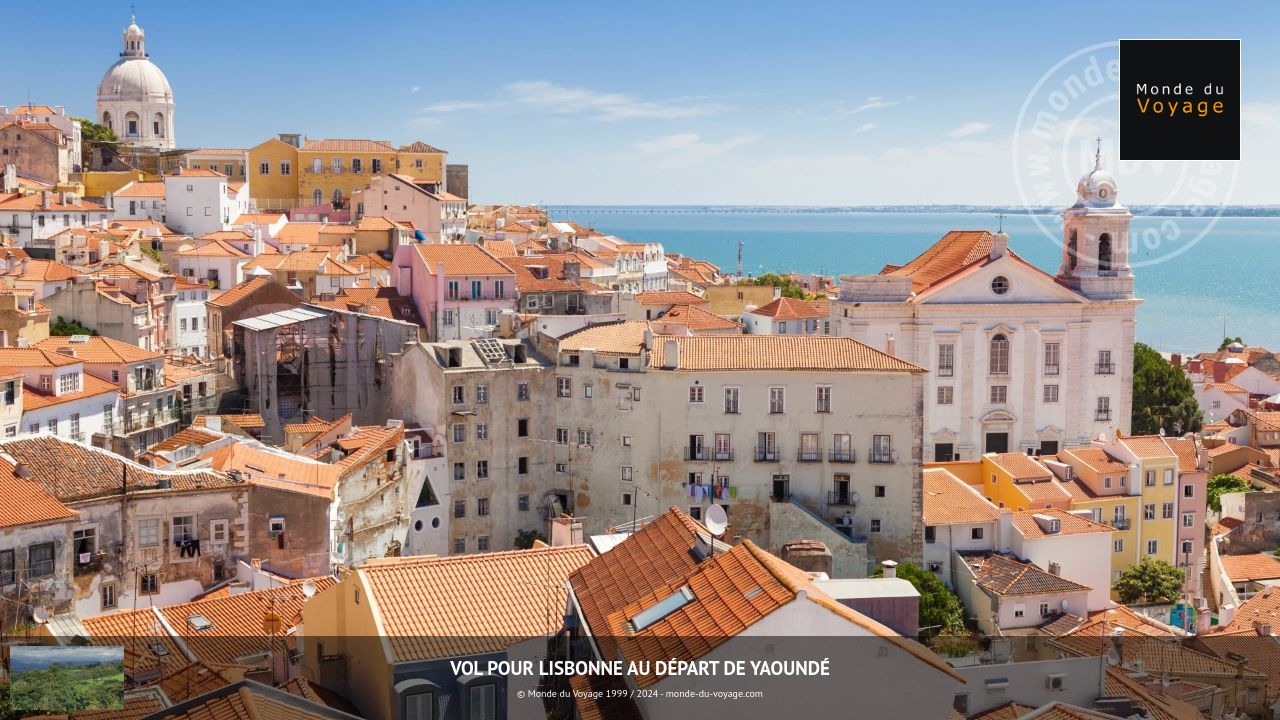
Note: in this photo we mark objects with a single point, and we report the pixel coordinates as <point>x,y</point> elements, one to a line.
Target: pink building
<point>459,290</point>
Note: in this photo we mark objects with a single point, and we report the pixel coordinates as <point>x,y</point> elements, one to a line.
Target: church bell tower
<point>1095,239</point>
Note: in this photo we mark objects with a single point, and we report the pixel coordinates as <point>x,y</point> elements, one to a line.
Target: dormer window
<point>68,383</point>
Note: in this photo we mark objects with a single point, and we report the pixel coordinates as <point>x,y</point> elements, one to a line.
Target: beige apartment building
<point>773,428</point>
<point>487,403</point>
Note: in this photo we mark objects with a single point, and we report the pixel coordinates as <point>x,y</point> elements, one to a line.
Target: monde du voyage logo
<point>1180,99</point>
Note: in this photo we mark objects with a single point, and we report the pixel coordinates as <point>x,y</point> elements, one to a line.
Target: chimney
<point>10,178</point>
<point>999,245</point>
<point>890,345</point>
<point>890,568</point>
<point>811,556</point>
<point>104,248</point>
<point>1219,372</point>
<point>45,198</point>
<point>671,354</point>
<point>1055,569</point>
<point>22,470</point>
<point>1263,629</point>
<point>1175,359</point>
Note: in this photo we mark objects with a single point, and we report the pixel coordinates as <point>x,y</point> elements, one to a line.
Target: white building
<point>140,200</point>
<point>134,97</point>
<point>187,321</point>
<point>42,215</point>
<point>198,202</point>
<point>1066,544</point>
<point>59,397</point>
<point>1018,359</point>
<point>789,316</point>
<point>956,518</point>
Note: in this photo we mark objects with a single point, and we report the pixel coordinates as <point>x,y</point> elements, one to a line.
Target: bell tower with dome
<point>134,97</point>
<point>1095,239</point>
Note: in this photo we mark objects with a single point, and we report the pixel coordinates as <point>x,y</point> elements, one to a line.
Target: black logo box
<point>1205,73</point>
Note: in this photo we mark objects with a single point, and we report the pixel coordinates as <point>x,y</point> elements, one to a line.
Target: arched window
<point>106,120</point>
<point>999,360</point>
<point>1071,251</point>
<point>1104,253</point>
<point>157,125</point>
<point>337,198</point>
<point>317,197</point>
<point>131,125</point>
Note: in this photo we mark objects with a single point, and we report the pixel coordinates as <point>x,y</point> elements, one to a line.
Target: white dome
<point>135,79</point>
<point>1098,187</point>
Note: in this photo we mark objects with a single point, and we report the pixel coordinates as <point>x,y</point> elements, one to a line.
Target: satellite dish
<point>309,588</point>
<point>40,615</point>
<point>717,520</point>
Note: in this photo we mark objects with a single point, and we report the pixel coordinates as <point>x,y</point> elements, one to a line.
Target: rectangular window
<point>482,471</point>
<point>562,436</point>
<point>376,165</point>
<point>482,431</point>
<point>875,525</point>
<point>777,400</point>
<point>476,289</point>
<point>1188,520</point>
<point>1104,409</point>
<point>264,168</point>
<point>584,437</point>
<point>1168,476</point>
<point>999,394</point>
<point>564,387</point>
<point>8,573</point>
<point>459,508</point>
<point>1150,478</point>
<point>1153,547</point>
<point>809,451</point>
<point>1166,511</point>
<point>459,546</point>
<point>75,424</point>
<point>522,427</point>
<point>881,450</point>
<point>53,426</point>
<point>459,471</point>
<point>522,391</point>
<point>459,432</point>
<point>446,318</point>
<point>626,473</point>
<point>824,399</point>
<point>723,447</point>
<point>1117,545</point>
<point>482,506</point>
<point>108,595</point>
<point>1052,355</point>
<point>1186,549</point>
<point>1188,491</point>
<point>731,400</point>
<point>482,543</point>
<point>219,532</point>
<point>482,393</point>
<point>148,532</point>
<point>1105,366</point>
<point>945,394</point>
<point>946,360</point>
<point>40,560</point>
<point>184,528</point>
<point>1051,393</point>
<point>522,466</point>
<point>149,584</point>
<point>285,168</point>
<point>1149,511</point>
<point>522,503</point>
<point>695,393</point>
<point>357,165</point>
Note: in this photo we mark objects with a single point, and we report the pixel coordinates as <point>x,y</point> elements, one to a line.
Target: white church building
<point>1019,360</point>
<point>134,97</point>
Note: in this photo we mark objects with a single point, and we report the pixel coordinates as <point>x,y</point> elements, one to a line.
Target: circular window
<point>417,526</point>
<point>435,522</point>
<point>1000,285</point>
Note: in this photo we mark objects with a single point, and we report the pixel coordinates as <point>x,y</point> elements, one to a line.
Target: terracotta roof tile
<point>1069,524</point>
<point>776,352</point>
<point>785,308</point>
<point>381,302</point>
<point>420,147</point>
<point>433,607</point>
<point>142,188</point>
<point>948,500</point>
<point>187,437</point>
<point>1097,459</point>
<point>274,468</point>
<point>956,250</point>
<point>464,259</point>
<point>214,248</point>
<point>44,271</point>
<point>614,338</point>
<point>98,349</point>
<point>235,294</point>
<point>27,502</point>
<point>1020,466</point>
<point>1008,577</point>
<point>1148,447</point>
<point>697,318</point>
<point>670,297</point>
<point>1007,711</point>
<point>1254,566</point>
<point>346,145</point>
<point>90,386</point>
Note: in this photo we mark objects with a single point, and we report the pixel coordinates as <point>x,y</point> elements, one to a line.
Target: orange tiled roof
<point>44,271</point>
<point>697,318</point>
<point>1260,653</point>
<point>420,147</point>
<point>1148,447</point>
<point>35,201</point>
<point>670,297</point>
<point>464,259</point>
<point>341,145</point>
<point>1020,466</point>
<point>27,502</point>
<point>72,472</point>
<point>142,188</point>
<point>948,500</point>
<point>214,248</point>
<point>1097,459</point>
<point>1226,387</point>
<point>436,607</point>
<point>235,294</point>
<point>196,172</point>
<point>98,349</point>
<point>955,251</point>
<point>785,308</point>
<point>1253,566</point>
<point>34,398</point>
<point>1008,577</point>
<point>267,218</point>
<point>244,421</point>
<point>776,352</point>
<point>276,468</point>
<point>614,338</point>
<point>1069,524</point>
<point>1187,450</point>
<point>190,436</point>
<point>33,357</point>
<point>1008,711</point>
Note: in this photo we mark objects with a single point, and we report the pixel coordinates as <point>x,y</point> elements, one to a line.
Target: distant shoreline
<point>1244,211</point>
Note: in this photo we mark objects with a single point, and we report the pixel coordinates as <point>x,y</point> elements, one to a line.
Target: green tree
<point>1151,580</point>
<point>526,538</point>
<point>65,328</point>
<point>1162,396</point>
<point>92,136</point>
<point>1227,341</point>
<point>789,287</point>
<point>1221,484</point>
<point>940,610</point>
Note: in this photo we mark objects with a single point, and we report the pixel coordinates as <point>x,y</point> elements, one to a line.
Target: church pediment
<point>1005,280</point>
<point>996,416</point>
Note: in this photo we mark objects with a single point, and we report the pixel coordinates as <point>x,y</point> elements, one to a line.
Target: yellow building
<point>290,171</point>
<point>1151,489</point>
<point>273,174</point>
<point>228,161</point>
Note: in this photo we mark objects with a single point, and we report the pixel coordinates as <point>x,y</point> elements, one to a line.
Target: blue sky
<point>662,102</point>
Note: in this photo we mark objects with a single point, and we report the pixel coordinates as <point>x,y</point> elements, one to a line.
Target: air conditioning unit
<point>1056,682</point>
<point>935,567</point>
<point>276,525</point>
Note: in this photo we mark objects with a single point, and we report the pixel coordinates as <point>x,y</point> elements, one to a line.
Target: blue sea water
<point>1186,286</point>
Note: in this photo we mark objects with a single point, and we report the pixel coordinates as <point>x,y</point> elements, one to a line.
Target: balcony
<point>1102,416</point>
<point>1052,369</point>
<point>475,298</point>
<point>1105,369</point>
<point>880,456</point>
<point>946,371</point>
<point>695,453</point>
<point>766,454</point>
<point>842,456</point>
<point>810,455</point>
<point>722,454</point>
<point>88,568</point>
<point>1119,523</point>
<point>424,451</point>
<point>842,497</point>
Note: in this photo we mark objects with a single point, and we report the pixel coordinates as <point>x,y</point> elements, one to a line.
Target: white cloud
<point>864,127</point>
<point>969,128</point>
<point>876,102</point>
<point>415,88</point>
<point>683,149</point>
<point>551,98</point>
